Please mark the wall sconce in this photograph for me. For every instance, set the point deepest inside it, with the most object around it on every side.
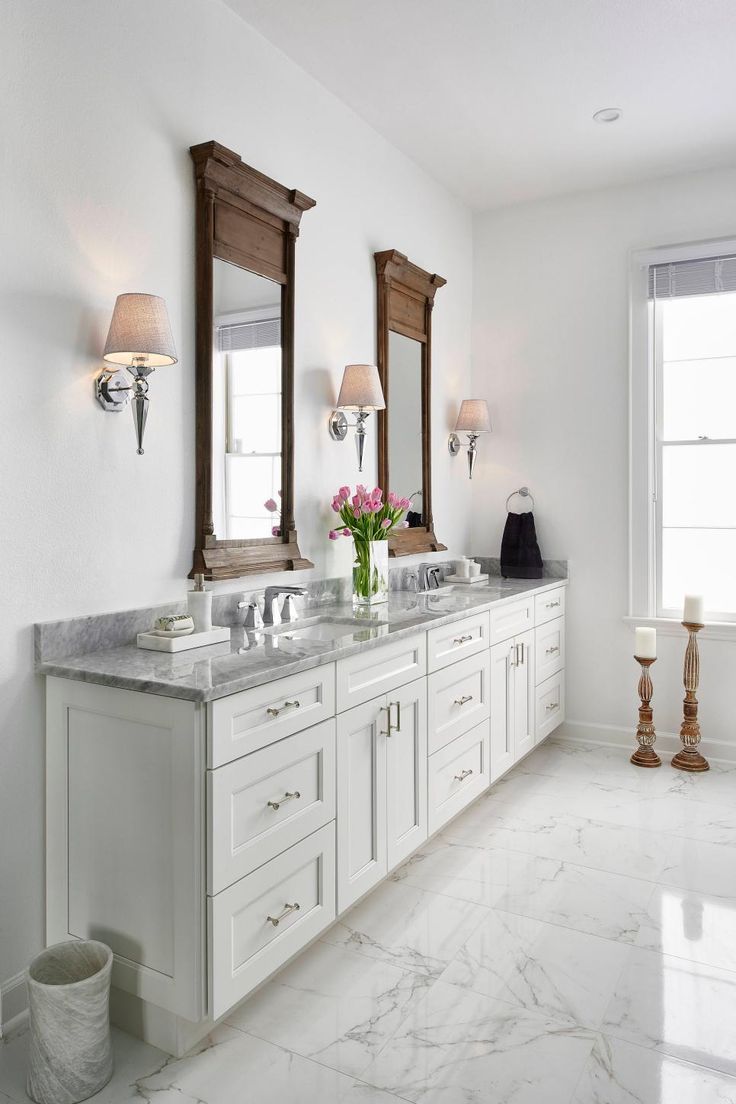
(473, 419)
(140, 339)
(360, 391)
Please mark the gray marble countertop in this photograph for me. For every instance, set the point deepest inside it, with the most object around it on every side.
(250, 659)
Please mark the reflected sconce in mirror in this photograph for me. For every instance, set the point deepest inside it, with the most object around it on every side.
(140, 339)
(360, 391)
(473, 419)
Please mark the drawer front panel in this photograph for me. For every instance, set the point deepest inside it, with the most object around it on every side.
(458, 774)
(379, 670)
(265, 802)
(457, 641)
(549, 649)
(245, 945)
(548, 606)
(509, 620)
(458, 699)
(252, 719)
(550, 706)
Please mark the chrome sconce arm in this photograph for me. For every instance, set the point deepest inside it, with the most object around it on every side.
(361, 391)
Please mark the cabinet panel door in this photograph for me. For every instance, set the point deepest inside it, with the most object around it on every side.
(361, 800)
(457, 775)
(549, 605)
(457, 699)
(406, 778)
(502, 736)
(523, 707)
(509, 620)
(550, 705)
(457, 641)
(549, 649)
(375, 671)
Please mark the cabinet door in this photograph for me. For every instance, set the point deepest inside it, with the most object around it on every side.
(361, 799)
(406, 765)
(523, 696)
(502, 736)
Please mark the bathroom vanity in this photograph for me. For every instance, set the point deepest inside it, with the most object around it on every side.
(210, 814)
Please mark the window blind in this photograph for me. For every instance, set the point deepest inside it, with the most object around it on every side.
(706, 276)
(249, 335)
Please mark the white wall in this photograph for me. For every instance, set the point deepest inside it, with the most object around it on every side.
(100, 102)
(550, 352)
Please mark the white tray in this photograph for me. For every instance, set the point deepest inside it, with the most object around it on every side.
(469, 580)
(183, 643)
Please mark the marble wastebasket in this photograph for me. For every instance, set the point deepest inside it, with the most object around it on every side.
(70, 1053)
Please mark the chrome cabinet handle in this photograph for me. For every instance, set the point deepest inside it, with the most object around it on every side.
(551, 651)
(464, 699)
(276, 920)
(519, 653)
(292, 795)
(552, 706)
(462, 639)
(514, 652)
(397, 726)
(273, 712)
(551, 605)
(387, 710)
(463, 774)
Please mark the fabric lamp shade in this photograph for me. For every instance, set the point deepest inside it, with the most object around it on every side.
(473, 417)
(140, 328)
(361, 388)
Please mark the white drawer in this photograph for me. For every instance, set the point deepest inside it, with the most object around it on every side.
(265, 802)
(507, 621)
(252, 719)
(245, 946)
(379, 670)
(550, 705)
(456, 641)
(549, 649)
(458, 774)
(549, 605)
(457, 699)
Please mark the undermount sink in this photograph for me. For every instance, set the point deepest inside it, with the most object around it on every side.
(324, 628)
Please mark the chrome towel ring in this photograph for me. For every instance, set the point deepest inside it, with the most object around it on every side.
(524, 492)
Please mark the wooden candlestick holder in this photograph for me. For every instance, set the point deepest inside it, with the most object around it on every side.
(645, 755)
(688, 758)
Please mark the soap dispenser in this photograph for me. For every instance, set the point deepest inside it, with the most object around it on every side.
(199, 604)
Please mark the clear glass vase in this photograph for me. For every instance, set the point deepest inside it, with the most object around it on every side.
(370, 572)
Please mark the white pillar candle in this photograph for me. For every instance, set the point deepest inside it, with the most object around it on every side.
(646, 643)
(692, 614)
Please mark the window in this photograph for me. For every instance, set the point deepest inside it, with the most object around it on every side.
(690, 437)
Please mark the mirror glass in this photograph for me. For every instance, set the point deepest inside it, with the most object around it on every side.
(404, 402)
(246, 404)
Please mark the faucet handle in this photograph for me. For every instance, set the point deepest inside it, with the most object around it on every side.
(289, 609)
(253, 618)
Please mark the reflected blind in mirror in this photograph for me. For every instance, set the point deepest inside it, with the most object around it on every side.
(249, 335)
(705, 276)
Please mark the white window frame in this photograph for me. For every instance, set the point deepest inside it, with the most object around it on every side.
(644, 449)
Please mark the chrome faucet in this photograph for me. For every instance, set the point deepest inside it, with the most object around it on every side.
(253, 618)
(271, 615)
(429, 576)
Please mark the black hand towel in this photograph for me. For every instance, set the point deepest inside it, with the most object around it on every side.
(520, 555)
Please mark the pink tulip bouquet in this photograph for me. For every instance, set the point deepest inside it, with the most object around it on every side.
(369, 520)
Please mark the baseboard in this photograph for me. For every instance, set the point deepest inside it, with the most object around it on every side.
(13, 1005)
(583, 732)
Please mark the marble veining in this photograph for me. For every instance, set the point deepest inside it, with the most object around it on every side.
(484, 974)
(102, 650)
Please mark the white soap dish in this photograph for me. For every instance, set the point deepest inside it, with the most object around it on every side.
(469, 579)
(169, 643)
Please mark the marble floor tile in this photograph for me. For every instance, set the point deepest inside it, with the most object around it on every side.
(332, 1005)
(234, 1068)
(676, 1007)
(408, 927)
(619, 1073)
(693, 926)
(567, 975)
(459, 1047)
(700, 867)
(468, 872)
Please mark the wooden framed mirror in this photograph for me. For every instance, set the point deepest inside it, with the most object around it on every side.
(404, 319)
(246, 227)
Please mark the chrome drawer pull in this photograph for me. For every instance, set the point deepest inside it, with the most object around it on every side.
(463, 775)
(551, 651)
(288, 796)
(276, 920)
(397, 726)
(552, 706)
(387, 710)
(462, 639)
(551, 605)
(273, 712)
(464, 699)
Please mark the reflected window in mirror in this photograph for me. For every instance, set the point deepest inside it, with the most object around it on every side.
(405, 428)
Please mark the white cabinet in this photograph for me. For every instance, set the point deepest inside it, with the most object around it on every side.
(550, 705)
(458, 698)
(379, 670)
(508, 620)
(457, 775)
(381, 787)
(457, 641)
(549, 649)
(512, 702)
(549, 605)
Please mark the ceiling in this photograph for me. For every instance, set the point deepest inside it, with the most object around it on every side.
(494, 98)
